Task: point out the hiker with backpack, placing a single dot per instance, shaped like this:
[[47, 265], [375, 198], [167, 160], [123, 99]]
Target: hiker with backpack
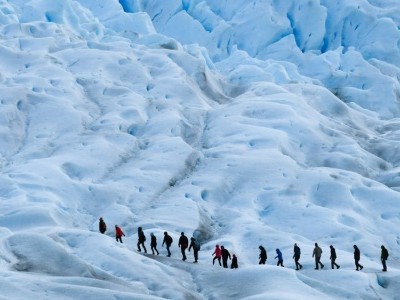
[[357, 256], [217, 253], [167, 241], [102, 226], [153, 243], [317, 253], [234, 264], [262, 256], [333, 258], [194, 243], [384, 257], [183, 244], [141, 240], [296, 256], [225, 255], [279, 257], [118, 233]]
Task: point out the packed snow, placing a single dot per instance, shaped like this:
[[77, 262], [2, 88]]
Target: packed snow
[[242, 123]]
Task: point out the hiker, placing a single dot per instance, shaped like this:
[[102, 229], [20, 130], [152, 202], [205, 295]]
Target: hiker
[[196, 248], [296, 256], [217, 253], [102, 226], [141, 240], [183, 244], [118, 233], [167, 241], [333, 258], [280, 258], [384, 257], [263, 255], [153, 243], [225, 255], [317, 254], [234, 264], [357, 256]]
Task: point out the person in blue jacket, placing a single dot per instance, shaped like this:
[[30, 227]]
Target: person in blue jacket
[[280, 258]]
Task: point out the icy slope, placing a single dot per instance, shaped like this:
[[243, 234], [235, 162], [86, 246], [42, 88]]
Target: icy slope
[[264, 122]]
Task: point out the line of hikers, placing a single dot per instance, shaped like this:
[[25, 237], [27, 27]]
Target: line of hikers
[[223, 253], [317, 253]]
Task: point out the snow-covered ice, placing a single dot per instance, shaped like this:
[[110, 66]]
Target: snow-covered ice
[[241, 122]]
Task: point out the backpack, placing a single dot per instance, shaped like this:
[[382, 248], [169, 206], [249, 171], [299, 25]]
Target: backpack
[[169, 239], [196, 245]]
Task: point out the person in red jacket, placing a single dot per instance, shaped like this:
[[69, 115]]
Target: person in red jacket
[[118, 233], [218, 254]]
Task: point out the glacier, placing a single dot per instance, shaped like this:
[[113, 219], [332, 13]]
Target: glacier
[[244, 123]]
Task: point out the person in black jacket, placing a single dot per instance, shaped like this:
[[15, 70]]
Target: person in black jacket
[[384, 257], [357, 256], [141, 240], [296, 256], [102, 225], [234, 264], [183, 244], [225, 255], [153, 243], [263, 255], [196, 247], [167, 241], [333, 258]]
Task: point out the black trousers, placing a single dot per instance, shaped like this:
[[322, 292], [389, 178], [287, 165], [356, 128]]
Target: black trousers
[[144, 247], [196, 254], [219, 259], [384, 264], [154, 248], [318, 262], [183, 253], [356, 262], [296, 260], [169, 252], [333, 263], [225, 262]]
